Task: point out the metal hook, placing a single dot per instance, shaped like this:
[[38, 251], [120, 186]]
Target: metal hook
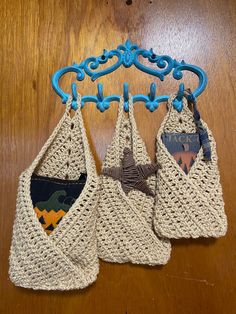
[[100, 92], [180, 94], [74, 96], [126, 96], [177, 102], [102, 104], [152, 94], [152, 104]]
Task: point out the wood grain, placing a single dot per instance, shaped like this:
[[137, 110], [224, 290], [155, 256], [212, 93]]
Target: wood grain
[[37, 38]]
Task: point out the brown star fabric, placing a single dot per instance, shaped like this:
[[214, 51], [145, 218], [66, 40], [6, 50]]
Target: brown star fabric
[[130, 175]]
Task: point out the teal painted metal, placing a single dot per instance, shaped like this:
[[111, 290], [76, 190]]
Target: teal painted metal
[[128, 55]]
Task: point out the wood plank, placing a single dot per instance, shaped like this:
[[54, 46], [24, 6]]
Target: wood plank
[[37, 38]]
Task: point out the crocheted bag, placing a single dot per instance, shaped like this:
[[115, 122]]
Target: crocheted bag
[[188, 205], [67, 257], [124, 225]]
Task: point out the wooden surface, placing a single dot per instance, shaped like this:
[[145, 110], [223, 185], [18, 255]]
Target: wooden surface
[[37, 38]]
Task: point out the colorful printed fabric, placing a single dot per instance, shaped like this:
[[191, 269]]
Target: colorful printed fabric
[[184, 147], [52, 198]]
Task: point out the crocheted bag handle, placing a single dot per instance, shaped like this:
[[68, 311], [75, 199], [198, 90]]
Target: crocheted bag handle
[[130, 120], [89, 160], [191, 118], [121, 116]]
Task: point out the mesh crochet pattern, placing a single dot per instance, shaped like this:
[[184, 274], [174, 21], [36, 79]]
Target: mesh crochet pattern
[[67, 258], [187, 206], [124, 224]]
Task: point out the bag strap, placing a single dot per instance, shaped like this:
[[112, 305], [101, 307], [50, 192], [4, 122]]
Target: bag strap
[[189, 118], [89, 160], [128, 121], [203, 134]]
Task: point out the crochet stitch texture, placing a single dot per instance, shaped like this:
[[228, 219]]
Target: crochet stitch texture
[[187, 205], [124, 224], [67, 258]]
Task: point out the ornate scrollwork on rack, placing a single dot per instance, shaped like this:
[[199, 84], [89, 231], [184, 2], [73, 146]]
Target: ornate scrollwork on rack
[[127, 55]]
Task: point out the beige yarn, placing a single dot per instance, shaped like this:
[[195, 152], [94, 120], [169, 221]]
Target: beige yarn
[[67, 258], [124, 225], [187, 205]]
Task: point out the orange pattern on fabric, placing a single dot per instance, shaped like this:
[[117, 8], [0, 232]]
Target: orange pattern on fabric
[[187, 158], [50, 218]]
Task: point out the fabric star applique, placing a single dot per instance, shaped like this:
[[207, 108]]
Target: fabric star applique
[[132, 176]]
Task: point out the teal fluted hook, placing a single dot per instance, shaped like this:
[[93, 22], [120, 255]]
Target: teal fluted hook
[[178, 101], [126, 96], [74, 96]]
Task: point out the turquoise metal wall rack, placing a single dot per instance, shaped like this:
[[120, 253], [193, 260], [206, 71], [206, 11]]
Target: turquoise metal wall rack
[[127, 55]]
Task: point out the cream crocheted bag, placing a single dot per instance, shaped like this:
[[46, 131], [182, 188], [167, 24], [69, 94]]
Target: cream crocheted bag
[[124, 225], [67, 258], [187, 205]]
